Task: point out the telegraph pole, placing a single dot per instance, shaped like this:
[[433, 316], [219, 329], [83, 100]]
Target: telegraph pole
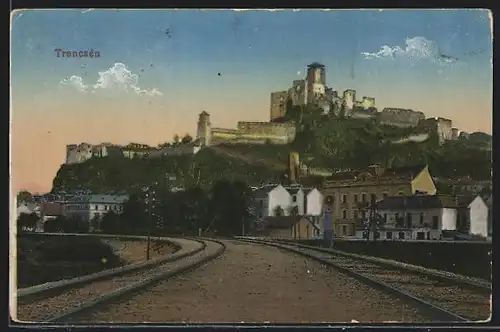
[[149, 231]]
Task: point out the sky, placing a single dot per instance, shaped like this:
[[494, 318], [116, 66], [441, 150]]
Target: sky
[[158, 69]]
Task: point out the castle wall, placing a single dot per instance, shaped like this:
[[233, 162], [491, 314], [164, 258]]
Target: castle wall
[[349, 98], [368, 102], [298, 92], [278, 104], [400, 117]]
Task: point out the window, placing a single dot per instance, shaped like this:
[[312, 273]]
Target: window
[[363, 198], [385, 217], [344, 230], [355, 198], [373, 198], [396, 216], [96, 207], [105, 208], [344, 198], [294, 198], [420, 236], [421, 217], [355, 212], [388, 235], [401, 235], [344, 214], [376, 235], [408, 220], [435, 222]]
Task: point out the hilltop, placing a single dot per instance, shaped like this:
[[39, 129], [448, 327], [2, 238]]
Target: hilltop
[[322, 142]]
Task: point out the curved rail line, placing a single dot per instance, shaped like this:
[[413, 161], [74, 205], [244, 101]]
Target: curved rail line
[[59, 304], [440, 298]]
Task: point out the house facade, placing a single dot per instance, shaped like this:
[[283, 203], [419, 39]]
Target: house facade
[[478, 216], [88, 207], [348, 191], [429, 217], [278, 200]]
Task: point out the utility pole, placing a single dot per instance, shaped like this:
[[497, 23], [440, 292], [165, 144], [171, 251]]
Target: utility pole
[[149, 231]]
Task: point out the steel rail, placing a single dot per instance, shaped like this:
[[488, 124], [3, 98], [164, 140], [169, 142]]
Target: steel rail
[[138, 286], [431, 310], [480, 284], [45, 290]]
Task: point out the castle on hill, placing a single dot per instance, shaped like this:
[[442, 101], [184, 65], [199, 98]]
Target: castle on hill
[[312, 90]]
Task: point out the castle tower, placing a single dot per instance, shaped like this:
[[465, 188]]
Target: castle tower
[[204, 130], [316, 79], [349, 98]]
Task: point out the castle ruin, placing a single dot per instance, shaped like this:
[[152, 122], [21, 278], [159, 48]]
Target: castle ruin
[[245, 132]]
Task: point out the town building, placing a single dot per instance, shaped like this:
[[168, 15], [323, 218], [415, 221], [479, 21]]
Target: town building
[[289, 227], [473, 216], [27, 208], [428, 217], [416, 217], [88, 207], [349, 191], [279, 200]]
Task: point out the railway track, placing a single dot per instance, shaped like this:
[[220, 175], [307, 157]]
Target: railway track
[[64, 300], [441, 298]]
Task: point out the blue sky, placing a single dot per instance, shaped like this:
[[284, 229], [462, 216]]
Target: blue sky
[[255, 52]]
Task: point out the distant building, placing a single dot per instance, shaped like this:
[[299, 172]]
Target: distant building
[[276, 200], [289, 227], [419, 217], [87, 207], [349, 190]]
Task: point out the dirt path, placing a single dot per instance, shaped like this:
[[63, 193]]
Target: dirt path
[[135, 251], [256, 284]]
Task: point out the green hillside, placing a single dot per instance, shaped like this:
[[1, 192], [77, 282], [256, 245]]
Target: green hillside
[[322, 141], [124, 174]]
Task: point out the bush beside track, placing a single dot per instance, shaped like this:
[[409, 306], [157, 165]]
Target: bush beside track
[[468, 259], [43, 258]]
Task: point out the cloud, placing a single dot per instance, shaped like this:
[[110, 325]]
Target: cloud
[[117, 77], [76, 82], [416, 48]]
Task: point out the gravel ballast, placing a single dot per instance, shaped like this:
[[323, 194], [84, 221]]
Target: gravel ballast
[[255, 284]]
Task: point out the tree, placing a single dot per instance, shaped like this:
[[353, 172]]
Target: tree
[[24, 196], [187, 139], [95, 223], [110, 223], [177, 138], [278, 211], [27, 222], [229, 207], [74, 225], [54, 225], [134, 216]]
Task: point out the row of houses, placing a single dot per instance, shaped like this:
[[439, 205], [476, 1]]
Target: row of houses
[[405, 198], [83, 207]]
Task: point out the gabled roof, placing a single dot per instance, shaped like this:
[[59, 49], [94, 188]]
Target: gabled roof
[[51, 209], [263, 191], [409, 172], [420, 202]]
